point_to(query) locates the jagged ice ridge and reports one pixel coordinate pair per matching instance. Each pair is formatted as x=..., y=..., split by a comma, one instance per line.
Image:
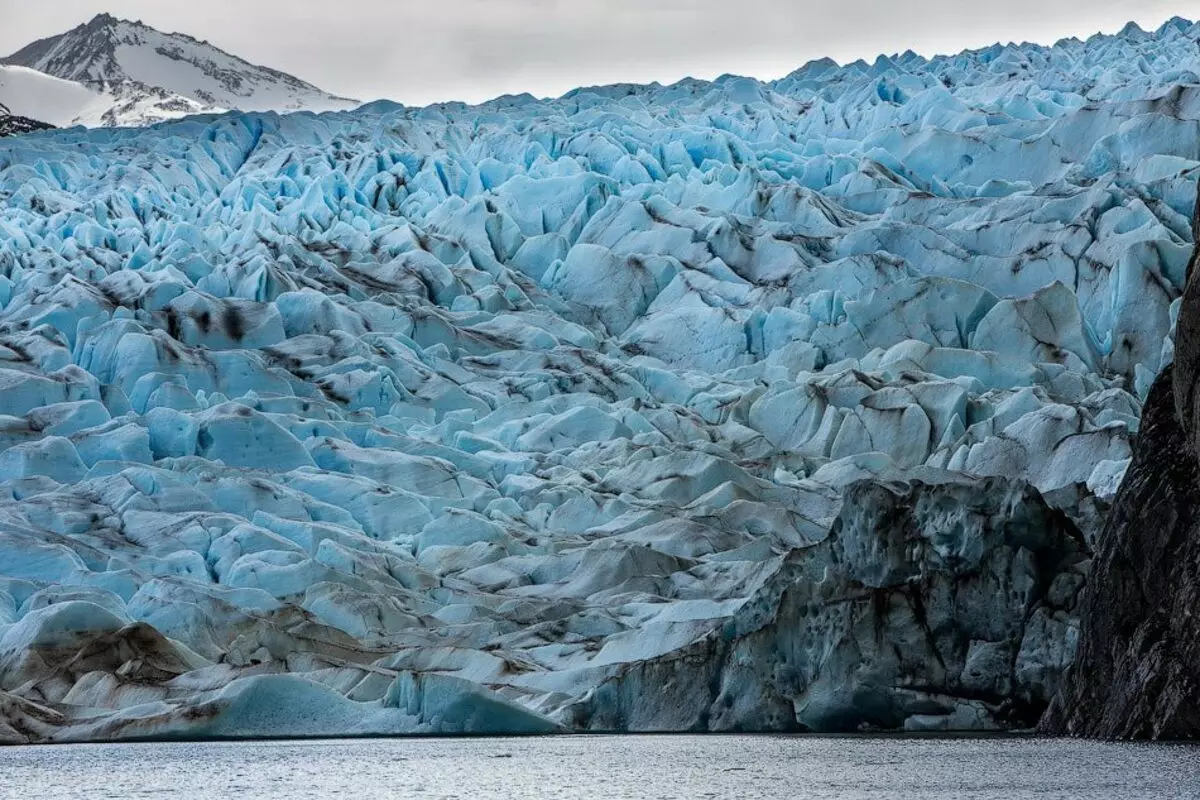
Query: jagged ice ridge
x=714, y=406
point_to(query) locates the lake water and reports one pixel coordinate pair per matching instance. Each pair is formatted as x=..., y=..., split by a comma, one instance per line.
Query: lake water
x=610, y=768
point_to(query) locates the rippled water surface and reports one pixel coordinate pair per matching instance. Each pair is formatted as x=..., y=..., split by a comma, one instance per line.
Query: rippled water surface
x=743, y=767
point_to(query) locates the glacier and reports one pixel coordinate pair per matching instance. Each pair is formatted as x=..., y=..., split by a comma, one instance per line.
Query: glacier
x=714, y=406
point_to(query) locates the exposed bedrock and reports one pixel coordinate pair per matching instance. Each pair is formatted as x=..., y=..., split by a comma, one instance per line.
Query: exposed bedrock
x=14, y=125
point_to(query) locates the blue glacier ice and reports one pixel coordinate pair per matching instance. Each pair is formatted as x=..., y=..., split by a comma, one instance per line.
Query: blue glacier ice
x=722, y=405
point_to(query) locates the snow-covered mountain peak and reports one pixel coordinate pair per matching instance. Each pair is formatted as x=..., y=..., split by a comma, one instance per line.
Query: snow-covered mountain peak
x=107, y=51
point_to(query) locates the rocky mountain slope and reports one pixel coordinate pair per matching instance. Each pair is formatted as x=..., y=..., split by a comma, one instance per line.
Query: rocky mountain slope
x=713, y=406
x=110, y=72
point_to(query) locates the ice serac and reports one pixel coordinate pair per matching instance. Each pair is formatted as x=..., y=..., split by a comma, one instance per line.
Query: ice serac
x=715, y=406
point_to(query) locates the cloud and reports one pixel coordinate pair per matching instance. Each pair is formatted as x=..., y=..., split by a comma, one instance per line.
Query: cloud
x=420, y=51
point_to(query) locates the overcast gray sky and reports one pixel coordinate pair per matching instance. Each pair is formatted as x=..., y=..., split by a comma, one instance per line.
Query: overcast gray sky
x=420, y=51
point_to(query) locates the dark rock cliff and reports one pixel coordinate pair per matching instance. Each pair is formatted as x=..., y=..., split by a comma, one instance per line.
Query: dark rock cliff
x=1137, y=671
x=1135, y=674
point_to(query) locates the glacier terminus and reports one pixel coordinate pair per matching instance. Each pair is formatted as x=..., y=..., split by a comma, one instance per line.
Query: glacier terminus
x=717, y=406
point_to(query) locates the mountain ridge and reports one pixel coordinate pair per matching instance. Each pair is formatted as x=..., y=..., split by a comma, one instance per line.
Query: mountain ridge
x=144, y=75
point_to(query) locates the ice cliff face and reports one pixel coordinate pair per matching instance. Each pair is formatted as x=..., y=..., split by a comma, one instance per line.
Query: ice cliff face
x=723, y=405
x=111, y=72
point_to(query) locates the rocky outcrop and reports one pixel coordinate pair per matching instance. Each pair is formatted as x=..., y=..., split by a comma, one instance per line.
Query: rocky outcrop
x=13, y=124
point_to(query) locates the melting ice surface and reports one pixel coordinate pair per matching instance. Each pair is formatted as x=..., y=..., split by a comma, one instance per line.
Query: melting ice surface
x=586, y=768
x=715, y=406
